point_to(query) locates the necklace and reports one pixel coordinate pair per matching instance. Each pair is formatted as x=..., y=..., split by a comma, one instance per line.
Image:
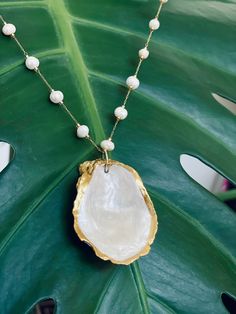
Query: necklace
x=113, y=212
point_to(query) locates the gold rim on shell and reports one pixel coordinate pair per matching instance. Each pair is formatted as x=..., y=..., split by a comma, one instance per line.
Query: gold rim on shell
x=86, y=171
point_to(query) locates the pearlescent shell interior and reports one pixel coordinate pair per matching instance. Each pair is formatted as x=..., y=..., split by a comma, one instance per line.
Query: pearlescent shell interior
x=114, y=213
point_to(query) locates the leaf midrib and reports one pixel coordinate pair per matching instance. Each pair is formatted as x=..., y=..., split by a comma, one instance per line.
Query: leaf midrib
x=135, y=270
x=63, y=25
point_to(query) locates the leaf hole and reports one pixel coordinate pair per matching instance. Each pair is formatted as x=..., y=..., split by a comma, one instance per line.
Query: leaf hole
x=44, y=306
x=229, y=302
x=6, y=155
x=210, y=179
x=227, y=103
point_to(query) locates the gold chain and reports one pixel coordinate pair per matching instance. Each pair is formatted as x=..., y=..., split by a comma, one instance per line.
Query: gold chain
x=63, y=105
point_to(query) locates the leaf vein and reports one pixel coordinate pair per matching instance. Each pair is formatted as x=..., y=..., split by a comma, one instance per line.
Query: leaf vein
x=36, y=203
x=103, y=294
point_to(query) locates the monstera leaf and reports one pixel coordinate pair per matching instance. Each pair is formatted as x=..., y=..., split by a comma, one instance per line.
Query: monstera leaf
x=87, y=49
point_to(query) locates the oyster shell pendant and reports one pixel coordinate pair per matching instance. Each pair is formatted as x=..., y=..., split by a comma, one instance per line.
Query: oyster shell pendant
x=113, y=212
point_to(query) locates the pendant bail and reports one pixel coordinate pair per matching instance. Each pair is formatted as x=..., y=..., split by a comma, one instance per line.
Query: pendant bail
x=106, y=166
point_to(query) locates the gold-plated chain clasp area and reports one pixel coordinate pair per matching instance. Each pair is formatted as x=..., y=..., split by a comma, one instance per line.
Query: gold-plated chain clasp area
x=105, y=157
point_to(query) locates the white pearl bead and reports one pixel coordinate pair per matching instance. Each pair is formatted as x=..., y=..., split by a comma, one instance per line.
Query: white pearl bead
x=8, y=29
x=82, y=131
x=143, y=53
x=154, y=24
x=121, y=113
x=163, y=1
x=107, y=145
x=132, y=82
x=56, y=96
x=32, y=63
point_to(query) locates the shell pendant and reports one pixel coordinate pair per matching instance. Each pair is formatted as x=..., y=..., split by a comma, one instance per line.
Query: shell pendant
x=113, y=212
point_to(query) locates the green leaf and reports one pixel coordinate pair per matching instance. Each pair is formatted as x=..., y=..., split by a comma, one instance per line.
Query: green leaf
x=87, y=49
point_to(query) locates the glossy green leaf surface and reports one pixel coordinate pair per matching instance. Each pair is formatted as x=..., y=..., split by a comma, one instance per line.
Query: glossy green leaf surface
x=87, y=49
